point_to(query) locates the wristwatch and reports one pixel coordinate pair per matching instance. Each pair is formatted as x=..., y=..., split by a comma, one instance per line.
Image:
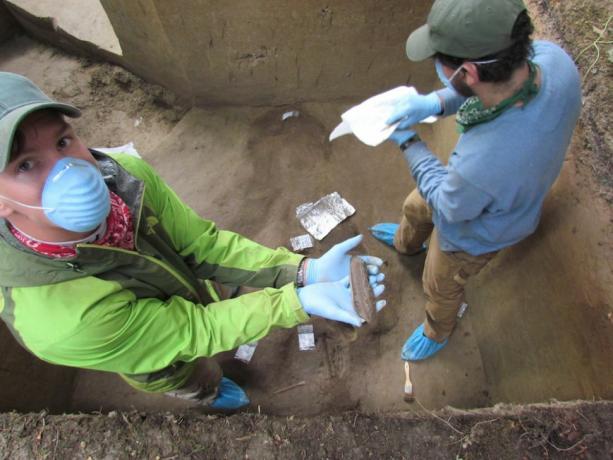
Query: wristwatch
x=301, y=274
x=405, y=145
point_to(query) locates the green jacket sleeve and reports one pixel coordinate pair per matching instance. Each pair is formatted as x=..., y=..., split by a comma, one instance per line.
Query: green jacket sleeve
x=215, y=254
x=95, y=324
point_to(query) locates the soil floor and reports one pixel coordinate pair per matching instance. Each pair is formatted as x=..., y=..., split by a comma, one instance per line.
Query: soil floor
x=247, y=170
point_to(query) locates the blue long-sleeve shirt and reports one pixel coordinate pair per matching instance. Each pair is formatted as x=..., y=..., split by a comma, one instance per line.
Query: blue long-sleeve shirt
x=490, y=194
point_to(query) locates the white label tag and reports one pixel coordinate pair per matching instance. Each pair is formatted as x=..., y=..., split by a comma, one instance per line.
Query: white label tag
x=306, y=338
x=245, y=352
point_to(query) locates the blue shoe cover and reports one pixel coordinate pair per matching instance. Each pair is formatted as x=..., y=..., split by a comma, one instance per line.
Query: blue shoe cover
x=229, y=396
x=384, y=232
x=418, y=346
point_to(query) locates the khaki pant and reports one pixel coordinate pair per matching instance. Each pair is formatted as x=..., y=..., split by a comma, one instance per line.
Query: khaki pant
x=445, y=273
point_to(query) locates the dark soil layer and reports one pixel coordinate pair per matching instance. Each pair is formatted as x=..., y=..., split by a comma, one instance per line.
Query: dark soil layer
x=557, y=430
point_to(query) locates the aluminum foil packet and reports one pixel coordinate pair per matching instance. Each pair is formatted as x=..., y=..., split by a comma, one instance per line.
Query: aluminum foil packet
x=321, y=217
x=245, y=352
x=301, y=242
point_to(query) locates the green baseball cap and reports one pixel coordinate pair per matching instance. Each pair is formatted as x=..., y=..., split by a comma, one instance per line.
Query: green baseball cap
x=19, y=97
x=465, y=28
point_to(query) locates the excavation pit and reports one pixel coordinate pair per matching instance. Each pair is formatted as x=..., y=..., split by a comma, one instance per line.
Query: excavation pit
x=538, y=326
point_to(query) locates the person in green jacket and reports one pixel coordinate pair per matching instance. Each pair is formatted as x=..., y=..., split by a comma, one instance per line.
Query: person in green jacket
x=103, y=267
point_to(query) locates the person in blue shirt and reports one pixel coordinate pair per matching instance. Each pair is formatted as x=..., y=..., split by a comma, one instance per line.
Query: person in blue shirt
x=516, y=103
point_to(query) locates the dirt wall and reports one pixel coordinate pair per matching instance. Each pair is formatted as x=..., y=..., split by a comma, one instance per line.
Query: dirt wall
x=8, y=24
x=268, y=52
x=577, y=431
x=47, y=29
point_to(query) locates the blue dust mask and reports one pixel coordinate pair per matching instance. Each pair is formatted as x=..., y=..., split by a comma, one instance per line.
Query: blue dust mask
x=441, y=75
x=75, y=196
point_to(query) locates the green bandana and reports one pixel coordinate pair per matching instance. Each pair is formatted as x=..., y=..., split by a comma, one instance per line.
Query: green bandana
x=472, y=112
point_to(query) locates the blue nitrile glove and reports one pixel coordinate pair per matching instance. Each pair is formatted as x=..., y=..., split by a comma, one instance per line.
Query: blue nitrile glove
x=334, y=301
x=229, y=396
x=335, y=264
x=418, y=346
x=414, y=108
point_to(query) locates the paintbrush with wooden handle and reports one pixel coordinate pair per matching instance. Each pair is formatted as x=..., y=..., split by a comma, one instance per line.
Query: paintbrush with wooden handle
x=408, y=386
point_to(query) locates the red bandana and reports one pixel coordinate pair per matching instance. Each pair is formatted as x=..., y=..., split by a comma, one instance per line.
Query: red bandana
x=119, y=233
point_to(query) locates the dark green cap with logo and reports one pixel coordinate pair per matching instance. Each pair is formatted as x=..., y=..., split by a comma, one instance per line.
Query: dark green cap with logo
x=465, y=28
x=19, y=97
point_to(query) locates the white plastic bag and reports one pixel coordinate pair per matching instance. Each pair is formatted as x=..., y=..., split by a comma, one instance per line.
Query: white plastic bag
x=127, y=148
x=367, y=121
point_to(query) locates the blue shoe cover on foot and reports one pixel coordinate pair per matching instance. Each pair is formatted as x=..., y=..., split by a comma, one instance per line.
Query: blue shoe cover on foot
x=384, y=232
x=418, y=346
x=229, y=396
